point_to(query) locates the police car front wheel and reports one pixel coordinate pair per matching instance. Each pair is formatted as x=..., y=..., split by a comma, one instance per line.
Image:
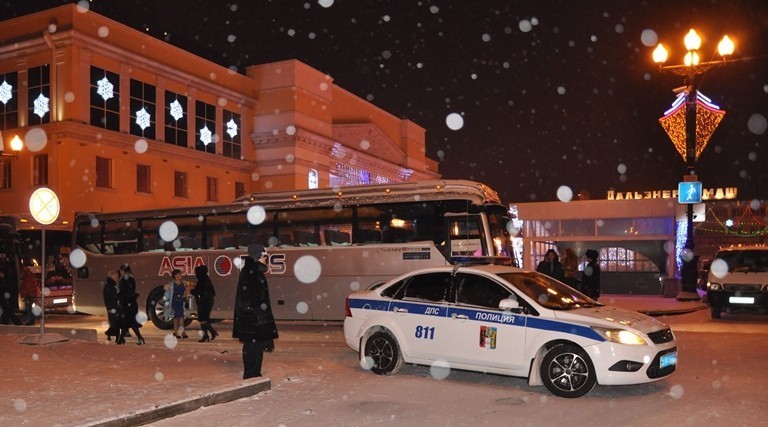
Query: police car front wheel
x=381, y=354
x=567, y=371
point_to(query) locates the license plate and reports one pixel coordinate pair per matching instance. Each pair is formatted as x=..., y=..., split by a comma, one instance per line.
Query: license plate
x=668, y=359
x=741, y=300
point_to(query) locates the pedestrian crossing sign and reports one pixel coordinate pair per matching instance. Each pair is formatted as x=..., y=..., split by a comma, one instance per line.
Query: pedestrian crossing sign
x=689, y=192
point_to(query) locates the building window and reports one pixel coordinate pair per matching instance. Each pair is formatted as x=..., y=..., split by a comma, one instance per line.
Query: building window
x=313, y=181
x=620, y=259
x=239, y=189
x=143, y=108
x=40, y=173
x=211, y=189
x=175, y=119
x=9, y=100
x=5, y=176
x=231, y=135
x=103, y=172
x=105, y=99
x=180, y=184
x=205, y=126
x=143, y=179
x=39, y=95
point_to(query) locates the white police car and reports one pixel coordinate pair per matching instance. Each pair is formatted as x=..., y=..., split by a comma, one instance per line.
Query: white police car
x=508, y=321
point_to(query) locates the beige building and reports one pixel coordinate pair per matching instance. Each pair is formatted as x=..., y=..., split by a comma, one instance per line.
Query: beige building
x=113, y=119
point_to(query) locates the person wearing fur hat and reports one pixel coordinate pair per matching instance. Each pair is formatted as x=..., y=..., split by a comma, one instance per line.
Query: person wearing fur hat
x=551, y=266
x=254, y=324
x=590, y=280
x=204, y=294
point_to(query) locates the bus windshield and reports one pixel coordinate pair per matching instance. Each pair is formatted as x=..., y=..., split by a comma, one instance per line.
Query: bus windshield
x=321, y=244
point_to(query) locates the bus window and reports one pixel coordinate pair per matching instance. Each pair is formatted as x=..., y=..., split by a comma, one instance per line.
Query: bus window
x=189, y=237
x=315, y=227
x=121, y=237
x=466, y=235
x=233, y=231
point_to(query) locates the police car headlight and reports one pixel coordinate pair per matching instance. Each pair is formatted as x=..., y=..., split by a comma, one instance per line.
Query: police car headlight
x=714, y=286
x=620, y=336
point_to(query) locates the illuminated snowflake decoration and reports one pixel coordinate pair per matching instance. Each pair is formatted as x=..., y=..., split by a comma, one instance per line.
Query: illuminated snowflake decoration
x=105, y=89
x=41, y=106
x=5, y=92
x=142, y=118
x=205, y=135
x=231, y=128
x=177, y=111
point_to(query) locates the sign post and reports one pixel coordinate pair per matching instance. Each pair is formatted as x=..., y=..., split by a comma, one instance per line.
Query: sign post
x=44, y=207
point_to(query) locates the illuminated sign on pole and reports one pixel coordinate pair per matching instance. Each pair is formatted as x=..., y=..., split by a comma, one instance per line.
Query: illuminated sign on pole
x=689, y=192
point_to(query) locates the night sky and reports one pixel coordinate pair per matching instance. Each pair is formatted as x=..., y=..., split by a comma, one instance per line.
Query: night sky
x=552, y=92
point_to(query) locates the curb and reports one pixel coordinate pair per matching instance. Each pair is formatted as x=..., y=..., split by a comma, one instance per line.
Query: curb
x=171, y=409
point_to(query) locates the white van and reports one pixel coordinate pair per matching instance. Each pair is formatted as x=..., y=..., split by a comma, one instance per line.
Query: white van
x=738, y=279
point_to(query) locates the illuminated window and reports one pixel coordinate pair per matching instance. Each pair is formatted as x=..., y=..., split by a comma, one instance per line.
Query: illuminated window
x=314, y=180
x=180, y=184
x=205, y=126
x=105, y=99
x=211, y=189
x=617, y=259
x=231, y=135
x=344, y=175
x=175, y=119
x=9, y=101
x=103, y=172
x=143, y=108
x=38, y=95
x=143, y=179
x=40, y=173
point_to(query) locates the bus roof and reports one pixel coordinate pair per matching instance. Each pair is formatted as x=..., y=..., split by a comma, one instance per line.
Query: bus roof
x=475, y=192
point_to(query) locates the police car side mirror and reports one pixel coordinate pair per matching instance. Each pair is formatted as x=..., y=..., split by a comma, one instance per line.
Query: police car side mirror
x=509, y=305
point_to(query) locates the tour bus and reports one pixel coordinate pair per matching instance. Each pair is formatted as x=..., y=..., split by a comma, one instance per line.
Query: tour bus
x=21, y=241
x=322, y=244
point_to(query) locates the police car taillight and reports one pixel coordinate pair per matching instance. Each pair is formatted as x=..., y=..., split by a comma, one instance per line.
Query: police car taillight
x=347, y=311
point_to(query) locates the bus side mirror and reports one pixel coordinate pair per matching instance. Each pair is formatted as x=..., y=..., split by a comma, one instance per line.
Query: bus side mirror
x=82, y=273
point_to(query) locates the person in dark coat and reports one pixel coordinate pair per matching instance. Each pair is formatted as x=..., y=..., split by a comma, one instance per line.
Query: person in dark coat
x=590, y=280
x=204, y=295
x=254, y=323
x=128, y=305
x=110, y=303
x=551, y=266
x=9, y=294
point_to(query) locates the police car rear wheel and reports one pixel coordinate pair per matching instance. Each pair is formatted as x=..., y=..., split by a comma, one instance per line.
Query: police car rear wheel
x=382, y=354
x=567, y=371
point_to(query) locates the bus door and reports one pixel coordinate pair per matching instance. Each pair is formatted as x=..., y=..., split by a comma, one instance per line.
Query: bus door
x=466, y=235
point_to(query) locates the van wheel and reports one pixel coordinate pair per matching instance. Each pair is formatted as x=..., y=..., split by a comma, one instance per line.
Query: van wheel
x=716, y=311
x=382, y=354
x=567, y=371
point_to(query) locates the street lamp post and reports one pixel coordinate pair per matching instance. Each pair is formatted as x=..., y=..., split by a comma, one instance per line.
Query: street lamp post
x=15, y=145
x=697, y=128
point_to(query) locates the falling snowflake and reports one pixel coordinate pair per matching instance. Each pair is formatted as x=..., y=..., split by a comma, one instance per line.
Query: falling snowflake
x=5, y=92
x=232, y=128
x=41, y=106
x=177, y=111
x=142, y=118
x=105, y=89
x=205, y=135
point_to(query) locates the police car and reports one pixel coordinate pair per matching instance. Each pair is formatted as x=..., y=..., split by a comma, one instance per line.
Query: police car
x=504, y=320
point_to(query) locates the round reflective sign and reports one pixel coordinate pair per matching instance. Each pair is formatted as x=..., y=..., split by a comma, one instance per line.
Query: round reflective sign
x=44, y=206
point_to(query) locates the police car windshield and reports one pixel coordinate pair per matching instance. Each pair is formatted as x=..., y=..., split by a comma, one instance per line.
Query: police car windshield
x=548, y=292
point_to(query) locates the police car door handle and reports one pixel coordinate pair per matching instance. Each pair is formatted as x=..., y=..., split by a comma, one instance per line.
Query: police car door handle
x=460, y=316
x=401, y=310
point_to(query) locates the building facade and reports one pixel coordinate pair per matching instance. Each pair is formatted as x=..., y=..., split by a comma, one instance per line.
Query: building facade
x=113, y=119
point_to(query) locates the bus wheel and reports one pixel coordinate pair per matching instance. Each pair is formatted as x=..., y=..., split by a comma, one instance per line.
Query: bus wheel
x=155, y=309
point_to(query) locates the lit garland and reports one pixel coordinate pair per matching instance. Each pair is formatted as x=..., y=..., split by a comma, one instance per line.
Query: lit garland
x=680, y=239
x=708, y=116
x=723, y=227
